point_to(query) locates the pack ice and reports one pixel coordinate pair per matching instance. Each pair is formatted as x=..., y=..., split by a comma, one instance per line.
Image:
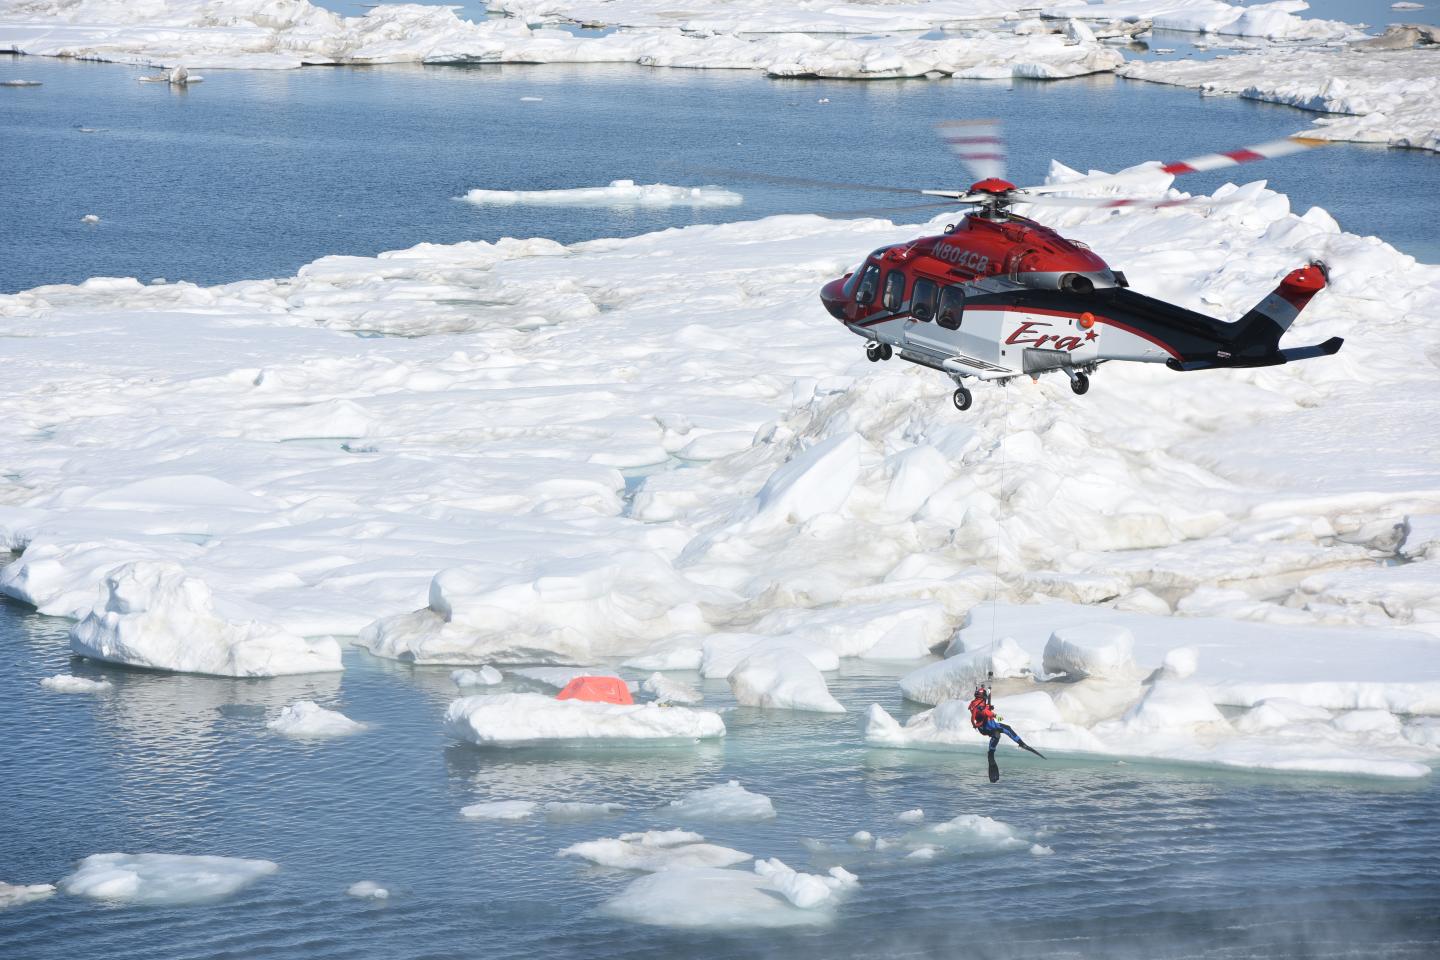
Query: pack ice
x=811, y=502
x=261, y=34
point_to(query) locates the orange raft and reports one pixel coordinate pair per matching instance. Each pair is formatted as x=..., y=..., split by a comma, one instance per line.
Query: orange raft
x=596, y=690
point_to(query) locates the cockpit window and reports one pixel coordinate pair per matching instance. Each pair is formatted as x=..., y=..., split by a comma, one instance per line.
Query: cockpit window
x=852, y=280
x=894, y=294
x=869, y=280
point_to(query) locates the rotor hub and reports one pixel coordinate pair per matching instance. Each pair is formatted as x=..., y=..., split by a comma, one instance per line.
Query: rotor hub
x=992, y=185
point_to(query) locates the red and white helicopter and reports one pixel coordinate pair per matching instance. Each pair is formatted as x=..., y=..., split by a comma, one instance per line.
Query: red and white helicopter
x=998, y=295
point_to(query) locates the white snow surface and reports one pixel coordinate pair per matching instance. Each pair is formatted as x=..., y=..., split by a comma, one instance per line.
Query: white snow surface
x=620, y=193
x=19, y=894
x=275, y=468
x=520, y=718
x=655, y=850
x=283, y=34
x=1389, y=96
x=166, y=879
x=727, y=802
x=668, y=690
x=307, y=720
x=1273, y=21
x=65, y=683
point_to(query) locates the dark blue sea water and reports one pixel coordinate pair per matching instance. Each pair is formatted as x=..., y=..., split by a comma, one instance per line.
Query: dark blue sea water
x=252, y=174
x=1148, y=862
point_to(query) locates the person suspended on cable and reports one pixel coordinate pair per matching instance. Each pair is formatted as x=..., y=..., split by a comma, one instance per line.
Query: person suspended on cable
x=987, y=724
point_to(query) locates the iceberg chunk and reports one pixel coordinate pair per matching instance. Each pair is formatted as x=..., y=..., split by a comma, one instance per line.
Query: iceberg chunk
x=162, y=878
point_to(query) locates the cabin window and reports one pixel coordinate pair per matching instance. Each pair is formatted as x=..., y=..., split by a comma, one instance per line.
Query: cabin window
x=869, y=280
x=952, y=308
x=923, y=296
x=894, y=294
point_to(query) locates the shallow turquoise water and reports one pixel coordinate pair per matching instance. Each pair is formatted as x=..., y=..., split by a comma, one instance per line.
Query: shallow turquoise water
x=1149, y=861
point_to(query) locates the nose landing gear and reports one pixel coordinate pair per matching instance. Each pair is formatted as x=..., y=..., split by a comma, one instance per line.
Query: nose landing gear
x=876, y=351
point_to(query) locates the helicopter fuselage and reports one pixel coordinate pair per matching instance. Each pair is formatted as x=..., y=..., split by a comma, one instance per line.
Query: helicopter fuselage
x=998, y=296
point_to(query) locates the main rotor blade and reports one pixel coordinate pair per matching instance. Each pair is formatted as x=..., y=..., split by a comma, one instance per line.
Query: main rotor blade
x=1131, y=203
x=788, y=181
x=1209, y=161
x=885, y=211
x=979, y=144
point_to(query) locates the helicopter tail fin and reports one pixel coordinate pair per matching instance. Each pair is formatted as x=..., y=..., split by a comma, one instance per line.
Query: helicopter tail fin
x=1268, y=320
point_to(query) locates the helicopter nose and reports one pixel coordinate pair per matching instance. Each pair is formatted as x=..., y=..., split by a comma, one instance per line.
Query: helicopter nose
x=833, y=296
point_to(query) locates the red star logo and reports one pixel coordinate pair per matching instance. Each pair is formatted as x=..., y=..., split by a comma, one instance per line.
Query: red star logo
x=1091, y=335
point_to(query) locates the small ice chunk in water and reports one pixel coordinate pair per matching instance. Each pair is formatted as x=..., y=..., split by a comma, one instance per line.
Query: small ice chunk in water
x=500, y=810
x=576, y=810
x=162, y=878
x=912, y=816
x=64, y=683
x=781, y=679
x=862, y=838
x=655, y=850
x=805, y=890
x=368, y=890
x=923, y=853
x=713, y=898
x=89, y=218
x=16, y=894
x=307, y=720
x=665, y=690
x=728, y=802
x=486, y=676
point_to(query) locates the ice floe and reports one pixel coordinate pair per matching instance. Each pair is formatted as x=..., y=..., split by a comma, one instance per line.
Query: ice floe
x=1272, y=21
x=1390, y=96
x=717, y=898
x=620, y=193
x=580, y=809
x=367, y=890
x=19, y=894
x=781, y=679
x=257, y=34
x=521, y=718
x=155, y=615
x=307, y=720
x=65, y=683
x=486, y=676
x=655, y=850
x=728, y=801
x=500, y=810
x=667, y=690
x=162, y=878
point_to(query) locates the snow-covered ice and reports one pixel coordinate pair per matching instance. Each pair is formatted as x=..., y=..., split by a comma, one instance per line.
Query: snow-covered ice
x=782, y=680
x=65, y=683
x=1388, y=96
x=655, y=850
x=729, y=801
x=520, y=718
x=155, y=615
x=862, y=513
x=262, y=34
x=1273, y=21
x=162, y=878
x=620, y=193
x=500, y=810
x=307, y=720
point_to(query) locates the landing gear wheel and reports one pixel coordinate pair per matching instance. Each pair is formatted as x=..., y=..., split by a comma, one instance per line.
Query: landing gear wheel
x=962, y=398
x=1080, y=383
x=886, y=352
x=872, y=352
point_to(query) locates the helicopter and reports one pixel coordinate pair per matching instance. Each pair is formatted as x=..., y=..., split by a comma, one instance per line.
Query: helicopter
x=998, y=295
